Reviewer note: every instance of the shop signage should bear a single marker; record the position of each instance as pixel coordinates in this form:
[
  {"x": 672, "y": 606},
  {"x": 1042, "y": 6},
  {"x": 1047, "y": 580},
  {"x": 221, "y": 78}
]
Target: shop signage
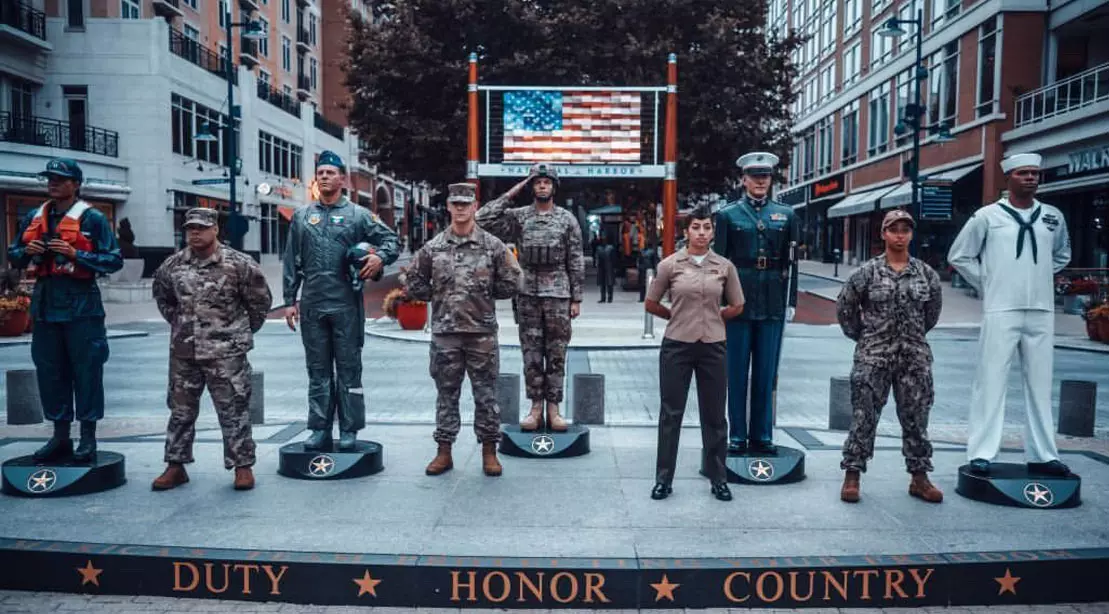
[
  {"x": 576, "y": 170},
  {"x": 1080, "y": 164},
  {"x": 830, "y": 186},
  {"x": 796, "y": 196},
  {"x": 936, "y": 200}
]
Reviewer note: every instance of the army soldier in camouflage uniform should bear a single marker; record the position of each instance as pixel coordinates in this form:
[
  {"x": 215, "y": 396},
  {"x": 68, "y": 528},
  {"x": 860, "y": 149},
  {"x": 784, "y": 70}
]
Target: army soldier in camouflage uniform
[
  {"x": 463, "y": 271},
  {"x": 549, "y": 240},
  {"x": 887, "y": 306},
  {"x": 215, "y": 299}
]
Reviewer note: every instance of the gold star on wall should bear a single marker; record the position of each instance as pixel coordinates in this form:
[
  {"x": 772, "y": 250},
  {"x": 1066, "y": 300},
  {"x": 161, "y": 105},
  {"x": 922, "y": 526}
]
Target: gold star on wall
[
  {"x": 665, "y": 589},
  {"x": 90, "y": 574},
  {"x": 367, "y": 584},
  {"x": 1008, "y": 583}
]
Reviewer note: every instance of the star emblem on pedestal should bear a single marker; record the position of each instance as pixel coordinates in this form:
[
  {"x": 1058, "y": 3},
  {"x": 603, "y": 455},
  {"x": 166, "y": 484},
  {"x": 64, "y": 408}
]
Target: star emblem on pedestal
[
  {"x": 42, "y": 480},
  {"x": 1008, "y": 583},
  {"x": 1039, "y": 495},
  {"x": 665, "y": 589},
  {"x": 89, "y": 574},
  {"x": 543, "y": 444},
  {"x": 760, "y": 470},
  {"x": 367, "y": 584},
  {"x": 321, "y": 465}
]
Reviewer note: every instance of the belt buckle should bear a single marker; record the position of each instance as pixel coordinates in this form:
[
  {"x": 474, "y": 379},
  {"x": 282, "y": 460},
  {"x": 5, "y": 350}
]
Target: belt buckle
[{"x": 760, "y": 263}]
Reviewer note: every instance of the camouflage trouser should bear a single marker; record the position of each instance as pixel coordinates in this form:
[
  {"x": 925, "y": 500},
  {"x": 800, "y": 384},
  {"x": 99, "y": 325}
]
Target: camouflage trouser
[
  {"x": 910, "y": 375},
  {"x": 544, "y": 334},
  {"x": 228, "y": 382},
  {"x": 452, "y": 358}
]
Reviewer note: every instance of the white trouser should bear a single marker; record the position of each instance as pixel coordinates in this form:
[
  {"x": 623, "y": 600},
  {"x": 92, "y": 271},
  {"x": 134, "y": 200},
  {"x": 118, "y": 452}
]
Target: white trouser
[{"x": 1032, "y": 334}]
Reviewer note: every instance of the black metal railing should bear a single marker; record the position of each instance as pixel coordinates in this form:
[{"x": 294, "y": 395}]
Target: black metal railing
[
  {"x": 328, "y": 126},
  {"x": 304, "y": 83},
  {"x": 278, "y": 99},
  {"x": 185, "y": 47},
  {"x": 31, "y": 130},
  {"x": 174, "y": 3},
  {"x": 303, "y": 37},
  {"x": 23, "y": 17},
  {"x": 248, "y": 46}
]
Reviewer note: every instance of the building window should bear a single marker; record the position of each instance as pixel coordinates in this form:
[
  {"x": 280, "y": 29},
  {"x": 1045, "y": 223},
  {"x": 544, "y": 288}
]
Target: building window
[
  {"x": 190, "y": 33},
  {"x": 849, "y": 134},
  {"x": 795, "y": 167},
  {"x": 223, "y": 13},
  {"x": 943, "y": 11},
  {"x": 943, "y": 85},
  {"x": 906, "y": 12},
  {"x": 75, "y": 14},
  {"x": 23, "y": 98},
  {"x": 904, "y": 96},
  {"x": 852, "y": 63},
  {"x": 264, "y": 42},
  {"x": 881, "y": 47},
  {"x": 828, "y": 81},
  {"x": 187, "y": 117},
  {"x": 277, "y": 156},
  {"x": 824, "y": 132},
  {"x": 264, "y": 78},
  {"x": 130, "y": 9},
  {"x": 879, "y": 125},
  {"x": 312, "y": 70},
  {"x": 288, "y": 91},
  {"x": 286, "y": 54},
  {"x": 285, "y": 12},
  {"x": 987, "y": 66},
  {"x": 828, "y": 29},
  {"x": 312, "y": 29},
  {"x": 189, "y": 3},
  {"x": 809, "y": 141},
  {"x": 852, "y": 17},
  {"x": 877, "y": 6}
]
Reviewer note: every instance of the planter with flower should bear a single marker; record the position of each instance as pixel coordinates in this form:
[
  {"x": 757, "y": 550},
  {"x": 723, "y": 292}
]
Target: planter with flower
[
  {"x": 1097, "y": 322},
  {"x": 15, "y": 305},
  {"x": 410, "y": 313}
]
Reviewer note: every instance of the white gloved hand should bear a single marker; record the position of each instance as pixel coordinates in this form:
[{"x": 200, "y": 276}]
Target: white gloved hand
[{"x": 790, "y": 312}]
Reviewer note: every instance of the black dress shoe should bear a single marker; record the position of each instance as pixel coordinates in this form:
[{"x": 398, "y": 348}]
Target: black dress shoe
[
  {"x": 764, "y": 448},
  {"x": 1054, "y": 467},
  {"x": 661, "y": 491},
  {"x": 980, "y": 466},
  {"x": 737, "y": 448},
  {"x": 721, "y": 491}
]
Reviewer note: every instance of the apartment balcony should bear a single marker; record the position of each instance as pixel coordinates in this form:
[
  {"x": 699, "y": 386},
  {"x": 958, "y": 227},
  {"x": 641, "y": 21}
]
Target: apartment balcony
[
  {"x": 250, "y": 5},
  {"x": 31, "y": 130},
  {"x": 1063, "y": 97},
  {"x": 168, "y": 9},
  {"x": 304, "y": 44},
  {"x": 248, "y": 52},
  {"x": 196, "y": 53},
  {"x": 304, "y": 3},
  {"x": 304, "y": 87},
  {"x": 325, "y": 125},
  {"x": 23, "y": 24},
  {"x": 278, "y": 99}
]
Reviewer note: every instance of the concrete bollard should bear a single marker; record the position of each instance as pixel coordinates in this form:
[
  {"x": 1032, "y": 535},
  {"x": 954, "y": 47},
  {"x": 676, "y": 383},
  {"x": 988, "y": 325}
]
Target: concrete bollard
[
  {"x": 1077, "y": 408},
  {"x": 839, "y": 404},
  {"x": 589, "y": 398},
  {"x": 508, "y": 397},
  {"x": 24, "y": 403},
  {"x": 257, "y": 398}
]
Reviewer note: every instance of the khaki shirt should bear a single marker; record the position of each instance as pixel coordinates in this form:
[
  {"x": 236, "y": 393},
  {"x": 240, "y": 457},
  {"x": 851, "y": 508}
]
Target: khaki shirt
[{"x": 695, "y": 295}]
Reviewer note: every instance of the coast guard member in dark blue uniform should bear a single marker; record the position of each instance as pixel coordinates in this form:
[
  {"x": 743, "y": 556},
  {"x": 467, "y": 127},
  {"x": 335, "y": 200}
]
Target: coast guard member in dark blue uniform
[{"x": 755, "y": 232}]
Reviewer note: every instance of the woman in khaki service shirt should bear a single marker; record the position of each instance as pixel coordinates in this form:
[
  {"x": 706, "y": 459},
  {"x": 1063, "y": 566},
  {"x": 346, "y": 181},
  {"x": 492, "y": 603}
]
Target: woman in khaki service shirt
[{"x": 697, "y": 281}]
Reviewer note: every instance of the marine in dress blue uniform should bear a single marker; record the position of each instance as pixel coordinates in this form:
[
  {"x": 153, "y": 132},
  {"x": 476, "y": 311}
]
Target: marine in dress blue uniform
[{"x": 755, "y": 232}]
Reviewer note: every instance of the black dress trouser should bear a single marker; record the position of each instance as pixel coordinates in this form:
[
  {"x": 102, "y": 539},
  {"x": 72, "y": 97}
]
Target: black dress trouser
[{"x": 678, "y": 362}]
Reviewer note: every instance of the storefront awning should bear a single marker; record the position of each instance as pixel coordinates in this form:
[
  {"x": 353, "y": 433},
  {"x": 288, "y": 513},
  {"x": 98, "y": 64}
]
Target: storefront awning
[
  {"x": 903, "y": 194},
  {"x": 286, "y": 212},
  {"x": 859, "y": 202}
]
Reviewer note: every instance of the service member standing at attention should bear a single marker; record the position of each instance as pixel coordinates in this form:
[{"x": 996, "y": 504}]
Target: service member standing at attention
[
  {"x": 463, "y": 271},
  {"x": 64, "y": 245},
  {"x": 215, "y": 298},
  {"x": 331, "y": 311},
  {"x": 755, "y": 234},
  {"x": 887, "y": 307},
  {"x": 1010, "y": 252},
  {"x": 697, "y": 282},
  {"x": 549, "y": 240}
]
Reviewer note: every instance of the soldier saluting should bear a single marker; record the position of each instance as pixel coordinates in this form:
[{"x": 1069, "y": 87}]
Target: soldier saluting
[
  {"x": 549, "y": 240},
  {"x": 463, "y": 271}
]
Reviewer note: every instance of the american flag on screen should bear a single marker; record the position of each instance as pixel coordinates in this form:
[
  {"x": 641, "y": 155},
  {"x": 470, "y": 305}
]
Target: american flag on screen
[{"x": 592, "y": 127}]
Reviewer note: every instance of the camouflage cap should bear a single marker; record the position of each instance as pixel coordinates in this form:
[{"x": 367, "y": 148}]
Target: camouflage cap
[
  {"x": 545, "y": 170},
  {"x": 461, "y": 193},
  {"x": 200, "y": 216},
  {"x": 897, "y": 215}
]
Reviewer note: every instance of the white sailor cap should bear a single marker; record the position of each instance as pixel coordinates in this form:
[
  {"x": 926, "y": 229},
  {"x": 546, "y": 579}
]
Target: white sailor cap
[
  {"x": 1023, "y": 160},
  {"x": 757, "y": 163}
]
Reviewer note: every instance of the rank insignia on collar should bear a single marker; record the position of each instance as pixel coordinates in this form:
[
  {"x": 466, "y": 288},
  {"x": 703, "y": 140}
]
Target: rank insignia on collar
[
  {"x": 314, "y": 219},
  {"x": 777, "y": 217}
]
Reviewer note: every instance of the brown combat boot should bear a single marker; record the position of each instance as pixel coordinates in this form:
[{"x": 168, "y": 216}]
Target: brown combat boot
[
  {"x": 172, "y": 477},
  {"x": 244, "y": 478},
  {"x": 922, "y": 487},
  {"x": 850, "y": 491},
  {"x": 555, "y": 421},
  {"x": 534, "y": 418},
  {"x": 489, "y": 463},
  {"x": 442, "y": 462}
]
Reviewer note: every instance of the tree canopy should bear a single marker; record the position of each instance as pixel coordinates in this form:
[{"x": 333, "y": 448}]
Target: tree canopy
[{"x": 407, "y": 74}]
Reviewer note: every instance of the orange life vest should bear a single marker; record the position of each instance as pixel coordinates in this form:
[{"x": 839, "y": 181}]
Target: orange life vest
[{"x": 68, "y": 230}]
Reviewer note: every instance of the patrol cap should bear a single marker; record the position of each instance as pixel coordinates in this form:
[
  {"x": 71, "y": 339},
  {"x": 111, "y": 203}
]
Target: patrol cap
[
  {"x": 200, "y": 216},
  {"x": 757, "y": 163},
  {"x": 1024, "y": 160},
  {"x": 461, "y": 193},
  {"x": 543, "y": 169},
  {"x": 330, "y": 158},
  {"x": 897, "y": 215},
  {"x": 63, "y": 167}
]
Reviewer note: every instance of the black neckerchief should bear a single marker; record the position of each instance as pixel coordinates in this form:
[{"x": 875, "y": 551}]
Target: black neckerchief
[{"x": 1025, "y": 227}]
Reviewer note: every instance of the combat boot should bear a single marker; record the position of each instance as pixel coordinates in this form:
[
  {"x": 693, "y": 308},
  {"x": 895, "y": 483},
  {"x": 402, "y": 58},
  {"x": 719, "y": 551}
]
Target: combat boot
[
  {"x": 489, "y": 463},
  {"x": 172, "y": 477},
  {"x": 850, "y": 491},
  {"x": 319, "y": 440},
  {"x": 347, "y": 440},
  {"x": 244, "y": 478},
  {"x": 59, "y": 447},
  {"x": 442, "y": 462},
  {"x": 555, "y": 421},
  {"x": 534, "y": 419},
  {"x": 86, "y": 448},
  {"x": 922, "y": 487}
]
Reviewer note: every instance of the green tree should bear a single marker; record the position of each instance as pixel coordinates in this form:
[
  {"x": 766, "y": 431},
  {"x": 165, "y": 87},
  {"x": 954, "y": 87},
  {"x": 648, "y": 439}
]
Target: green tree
[{"x": 407, "y": 74}]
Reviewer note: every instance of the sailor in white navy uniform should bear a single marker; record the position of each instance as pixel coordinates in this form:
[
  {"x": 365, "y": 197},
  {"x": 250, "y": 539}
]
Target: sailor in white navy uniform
[{"x": 1010, "y": 252}]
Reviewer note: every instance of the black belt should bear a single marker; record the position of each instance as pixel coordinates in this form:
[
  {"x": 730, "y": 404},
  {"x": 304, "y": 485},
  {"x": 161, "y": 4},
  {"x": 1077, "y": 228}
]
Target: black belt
[{"x": 761, "y": 263}]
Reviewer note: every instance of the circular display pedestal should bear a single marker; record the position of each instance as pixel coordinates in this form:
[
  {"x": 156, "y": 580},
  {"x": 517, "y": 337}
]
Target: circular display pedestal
[
  {"x": 330, "y": 464},
  {"x": 544, "y": 443},
  {"x": 785, "y": 467},
  {"x": 1013, "y": 484},
  {"x": 26, "y": 477}
]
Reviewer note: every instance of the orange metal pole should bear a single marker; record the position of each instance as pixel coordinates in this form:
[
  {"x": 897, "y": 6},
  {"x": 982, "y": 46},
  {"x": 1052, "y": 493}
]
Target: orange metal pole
[
  {"x": 472, "y": 134},
  {"x": 670, "y": 158}
]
